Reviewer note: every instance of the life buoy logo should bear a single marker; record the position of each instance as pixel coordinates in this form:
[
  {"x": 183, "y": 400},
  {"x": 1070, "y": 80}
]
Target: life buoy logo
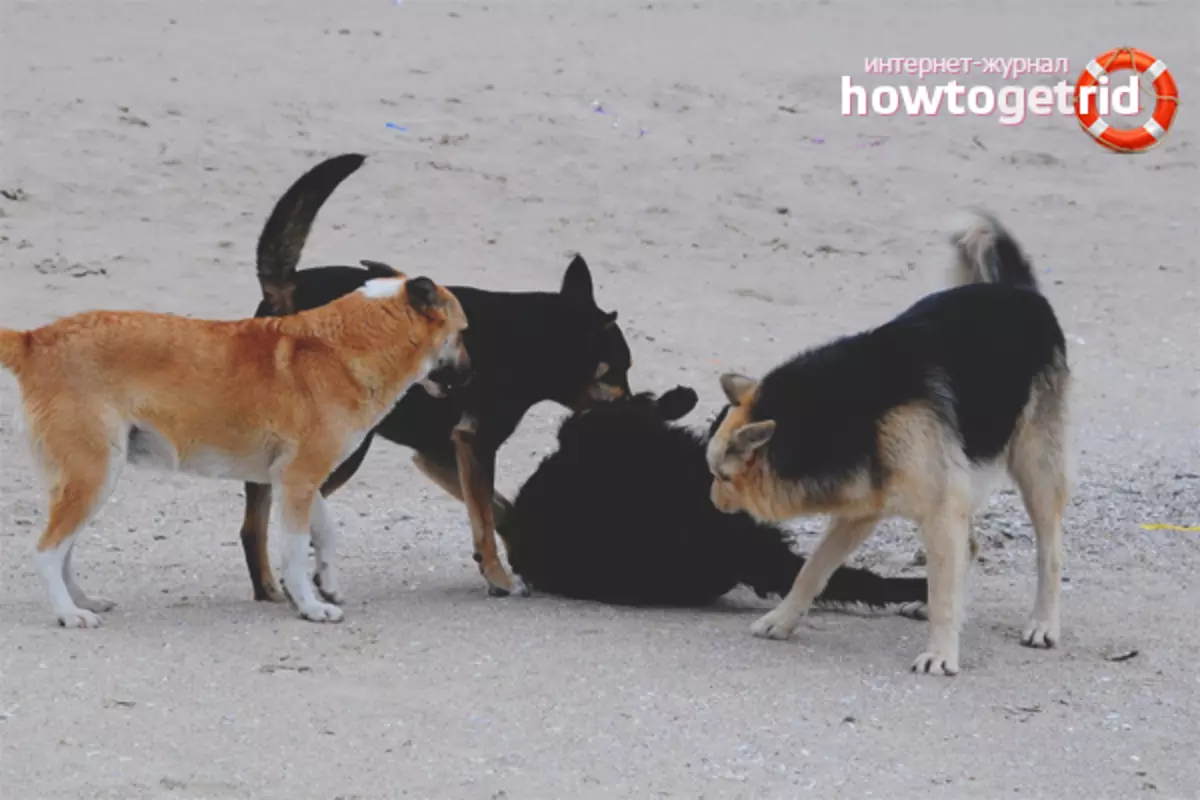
[{"x": 1090, "y": 100}]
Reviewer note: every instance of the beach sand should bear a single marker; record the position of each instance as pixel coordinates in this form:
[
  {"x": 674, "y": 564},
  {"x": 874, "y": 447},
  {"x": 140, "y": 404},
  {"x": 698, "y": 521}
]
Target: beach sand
[{"x": 732, "y": 216}]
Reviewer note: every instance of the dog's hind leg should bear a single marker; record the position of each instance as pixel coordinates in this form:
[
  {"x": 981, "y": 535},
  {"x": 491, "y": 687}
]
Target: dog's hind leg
[
  {"x": 1038, "y": 464},
  {"x": 255, "y": 525},
  {"x": 81, "y": 463},
  {"x": 97, "y": 604},
  {"x": 842, "y": 537}
]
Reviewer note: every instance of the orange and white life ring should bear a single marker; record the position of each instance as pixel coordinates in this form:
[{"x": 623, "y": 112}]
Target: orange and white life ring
[{"x": 1135, "y": 140}]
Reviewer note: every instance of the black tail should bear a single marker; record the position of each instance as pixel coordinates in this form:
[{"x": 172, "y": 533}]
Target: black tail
[
  {"x": 287, "y": 228},
  {"x": 987, "y": 253},
  {"x": 851, "y": 586},
  {"x": 769, "y": 567}
]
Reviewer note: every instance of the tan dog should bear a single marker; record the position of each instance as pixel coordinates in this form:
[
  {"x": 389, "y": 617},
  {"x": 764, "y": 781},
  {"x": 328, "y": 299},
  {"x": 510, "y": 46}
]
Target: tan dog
[
  {"x": 280, "y": 401},
  {"x": 913, "y": 419}
]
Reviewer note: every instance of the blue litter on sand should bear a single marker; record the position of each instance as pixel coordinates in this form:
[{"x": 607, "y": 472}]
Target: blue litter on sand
[{"x": 396, "y": 127}]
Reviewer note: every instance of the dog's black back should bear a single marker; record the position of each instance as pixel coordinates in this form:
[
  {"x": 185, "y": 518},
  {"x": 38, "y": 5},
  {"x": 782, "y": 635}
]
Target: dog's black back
[{"x": 620, "y": 513}]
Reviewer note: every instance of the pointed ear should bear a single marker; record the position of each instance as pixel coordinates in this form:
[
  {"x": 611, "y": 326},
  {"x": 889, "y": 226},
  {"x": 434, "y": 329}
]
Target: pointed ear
[
  {"x": 422, "y": 294},
  {"x": 748, "y": 438},
  {"x": 577, "y": 282},
  {"x": 738, "y": 388},
  {"x": 676, "y": 403}
]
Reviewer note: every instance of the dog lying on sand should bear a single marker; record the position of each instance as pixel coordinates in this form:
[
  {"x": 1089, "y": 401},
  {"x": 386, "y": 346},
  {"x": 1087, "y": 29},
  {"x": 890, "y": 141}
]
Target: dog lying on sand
[
  {"x": 621, "y": 514},
  {"x": 280, "y": 401},
  {"x": 915, "y": 419}
]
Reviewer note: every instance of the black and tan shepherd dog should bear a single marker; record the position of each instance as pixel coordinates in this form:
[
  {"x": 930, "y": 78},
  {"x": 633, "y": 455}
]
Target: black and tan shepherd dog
[
  {"x": 914, "y": 419},
  {"x": 620, "y": 513},
  {"x": 525, "y": 347}
]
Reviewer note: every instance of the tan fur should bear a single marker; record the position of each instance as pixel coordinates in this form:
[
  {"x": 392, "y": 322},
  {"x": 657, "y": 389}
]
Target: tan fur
[
  {"x": 278, "y": 400},
  {"x": 929, "y": 482}
]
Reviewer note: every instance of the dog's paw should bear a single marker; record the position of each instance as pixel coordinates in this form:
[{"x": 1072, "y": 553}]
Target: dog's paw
[
  {"x": 774, "y": 625},
  {"x": 516, "y": 588},
  {"x": 936, "y": 664},
  {"x": 328, "y": 588},
  {"x": 322, "y": 612},
  {"x": 918, "y": 611},
  {"x": 1040, "y": 633},
  {"x": 79, "y": 618},
  {"x": 97, "y": 604},
  {"x": 271, "y": 593}
]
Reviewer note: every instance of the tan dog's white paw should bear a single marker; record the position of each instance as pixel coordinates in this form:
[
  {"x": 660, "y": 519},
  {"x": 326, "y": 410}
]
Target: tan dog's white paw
[
  {"x": 1040, "y": 633},
  {"x": 329, "y": 589},
  {"x": 79, "y": 618},
  {"x": 322, "y": 612},
  {"x": 97, "y": 604},
  {"x": 936, "y": 664},
  {"x": 774, "y": 625}
]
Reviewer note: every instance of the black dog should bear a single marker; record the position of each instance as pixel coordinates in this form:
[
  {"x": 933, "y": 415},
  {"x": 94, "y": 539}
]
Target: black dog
[
  {"x": 524, "y": 347},
  {"x": 621, "y": 514}
]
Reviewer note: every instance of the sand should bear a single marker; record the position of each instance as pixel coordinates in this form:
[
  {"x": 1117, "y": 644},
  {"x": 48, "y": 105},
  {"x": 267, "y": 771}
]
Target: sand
[{"x": 732, "y": 216}]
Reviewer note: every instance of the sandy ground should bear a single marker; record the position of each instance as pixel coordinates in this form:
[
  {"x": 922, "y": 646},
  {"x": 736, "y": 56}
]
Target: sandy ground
[{"x": 143, "y": 144}]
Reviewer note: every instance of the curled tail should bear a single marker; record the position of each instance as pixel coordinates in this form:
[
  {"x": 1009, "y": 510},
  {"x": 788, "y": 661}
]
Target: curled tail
[
  {"x": 14, "y": 347},
  {"x": 987, "y": 253},
  {"x": 287, "y": 228}
]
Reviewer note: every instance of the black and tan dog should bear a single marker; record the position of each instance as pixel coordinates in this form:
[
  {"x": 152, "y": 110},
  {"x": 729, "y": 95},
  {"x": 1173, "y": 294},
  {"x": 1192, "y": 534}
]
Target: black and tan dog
[
  {"x": 525, "y": 347},
  {"x": 914, "y": 419},
  {"x": 620, "y": 513}
]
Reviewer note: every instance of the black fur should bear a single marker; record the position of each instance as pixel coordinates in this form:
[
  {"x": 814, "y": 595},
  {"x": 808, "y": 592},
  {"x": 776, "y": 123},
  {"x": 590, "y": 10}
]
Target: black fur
[
  {"x": 972, "y": 352},
  {"x": 525, "y": 347},
  {"x": 621, "y": 514}
]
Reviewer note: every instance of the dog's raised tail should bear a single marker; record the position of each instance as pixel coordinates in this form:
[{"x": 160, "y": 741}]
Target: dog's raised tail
[
  {"x": 985, "y": 252},
  {"x": 14, "y": 347},
  {"x": 286, "y": 231}
]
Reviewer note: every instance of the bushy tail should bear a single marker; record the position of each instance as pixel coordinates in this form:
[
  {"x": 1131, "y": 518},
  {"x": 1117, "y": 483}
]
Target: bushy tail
[
  {"x": 287, "y": 228},
  {"x": 769, "y": 567},
  {"x": 14, "y": 347},
  {"x": 987, "y": 253},
  {"x": 849, "y": 586}
]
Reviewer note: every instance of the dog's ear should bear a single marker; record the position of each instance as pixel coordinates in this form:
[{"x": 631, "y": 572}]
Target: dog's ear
[
  {"x": 676, "y": 403},
  {"x": 577, "y": 282},
  {"x": 378, "y": 269},
  {"x": 422, "y": 294},
  {"x": 738, "y": 388},
  {"x": 748, "y": 438}
]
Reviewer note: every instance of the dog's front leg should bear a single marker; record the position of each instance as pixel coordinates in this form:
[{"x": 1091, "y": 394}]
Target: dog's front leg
[
  {"x": 297, "y": 499},
  {"x": 476, "y": 472},
  {"x": 443, "y": 471},
  {"x": 842, "y": 537},
  {"x": 946, "y": 536}
]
